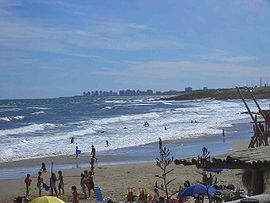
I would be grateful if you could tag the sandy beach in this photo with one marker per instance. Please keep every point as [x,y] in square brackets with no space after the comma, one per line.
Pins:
[118,170]
[114,180]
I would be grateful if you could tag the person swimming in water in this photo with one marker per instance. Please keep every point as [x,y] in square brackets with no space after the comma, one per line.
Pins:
[107,143]
[146,124]
[72,140]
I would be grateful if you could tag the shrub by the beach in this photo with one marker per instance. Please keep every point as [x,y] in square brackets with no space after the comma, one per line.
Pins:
[163,162]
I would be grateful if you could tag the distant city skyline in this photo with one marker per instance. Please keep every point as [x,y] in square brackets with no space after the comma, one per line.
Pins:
[59,48]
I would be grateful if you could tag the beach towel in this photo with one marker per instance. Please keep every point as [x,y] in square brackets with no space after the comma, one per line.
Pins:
[99,197]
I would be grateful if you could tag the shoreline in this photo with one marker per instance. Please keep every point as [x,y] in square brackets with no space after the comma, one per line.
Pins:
[181,148]
[120,169]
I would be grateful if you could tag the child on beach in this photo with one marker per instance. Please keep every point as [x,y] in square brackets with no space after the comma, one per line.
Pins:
[53,184]
[61,182]
[75,198]
[83,185]
[27,181]
[39,183]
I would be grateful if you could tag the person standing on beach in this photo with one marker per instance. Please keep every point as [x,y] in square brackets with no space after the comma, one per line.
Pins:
[83,185]
[27,182]
[61,183]
[39,183]
[93,152]
[53,184]
[92,161]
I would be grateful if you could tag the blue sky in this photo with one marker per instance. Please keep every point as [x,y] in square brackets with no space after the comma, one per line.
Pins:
[58,48]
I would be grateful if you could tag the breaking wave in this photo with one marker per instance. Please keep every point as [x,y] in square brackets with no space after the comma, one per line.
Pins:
[11,118]
[38,113]
[27,129]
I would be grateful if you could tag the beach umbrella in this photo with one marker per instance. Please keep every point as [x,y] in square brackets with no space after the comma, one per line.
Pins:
[199,189]
[47,199]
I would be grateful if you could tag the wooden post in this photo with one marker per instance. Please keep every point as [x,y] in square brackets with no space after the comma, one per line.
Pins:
[254,99]
[264,138]
[255,140]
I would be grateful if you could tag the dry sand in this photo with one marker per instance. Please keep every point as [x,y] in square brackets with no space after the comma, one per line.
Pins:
[114,180]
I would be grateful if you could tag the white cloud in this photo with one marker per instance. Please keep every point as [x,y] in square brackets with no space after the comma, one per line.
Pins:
[24,34]
[136,26]
[222,57]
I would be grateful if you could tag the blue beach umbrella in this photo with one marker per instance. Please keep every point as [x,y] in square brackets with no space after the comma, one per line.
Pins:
[199,189]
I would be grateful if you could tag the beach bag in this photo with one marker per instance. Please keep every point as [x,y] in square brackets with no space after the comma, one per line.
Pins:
[46,187]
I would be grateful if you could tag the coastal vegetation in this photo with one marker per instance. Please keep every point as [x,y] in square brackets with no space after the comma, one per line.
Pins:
[229,93]
[163,161]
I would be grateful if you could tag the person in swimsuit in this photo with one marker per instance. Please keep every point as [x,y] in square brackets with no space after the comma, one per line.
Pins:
[61,183]
[83,185]
[39,183]
[27,182]
[53,184]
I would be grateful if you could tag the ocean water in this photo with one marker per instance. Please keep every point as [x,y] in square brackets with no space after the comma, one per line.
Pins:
[44,127]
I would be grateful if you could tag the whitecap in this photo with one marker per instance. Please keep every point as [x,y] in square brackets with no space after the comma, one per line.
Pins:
[17,117]
[125,118]
[107,107]
[10,118]
[4,119]
[27,129]
[9,109]
[168,103]
[85,131]
[38,113]
[37,107]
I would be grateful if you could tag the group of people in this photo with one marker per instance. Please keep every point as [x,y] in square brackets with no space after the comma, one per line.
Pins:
[93,150]
[42,185]
[86,181]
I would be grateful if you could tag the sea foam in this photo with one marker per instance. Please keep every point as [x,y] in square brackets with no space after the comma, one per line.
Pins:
[27,129]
